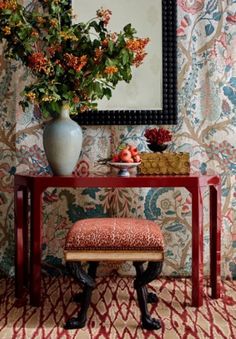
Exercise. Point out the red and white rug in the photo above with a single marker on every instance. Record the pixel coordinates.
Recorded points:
(114, 314)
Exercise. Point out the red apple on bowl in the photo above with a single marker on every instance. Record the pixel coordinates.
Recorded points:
(133, 150)
(116, 158)
(137, 158)
(125, 155)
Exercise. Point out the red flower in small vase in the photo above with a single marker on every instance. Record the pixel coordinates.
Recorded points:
(157, 138)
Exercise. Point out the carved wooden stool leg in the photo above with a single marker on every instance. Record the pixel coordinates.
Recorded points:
(152, 298)
(88, 280)
(144, 277)
(79, 297)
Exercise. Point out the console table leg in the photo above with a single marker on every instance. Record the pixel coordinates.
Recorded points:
(25, 235)
(215, 240)
(19, 244)
(35, 247)
(197, 247)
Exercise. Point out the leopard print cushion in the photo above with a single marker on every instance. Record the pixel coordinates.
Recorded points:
(115, 233)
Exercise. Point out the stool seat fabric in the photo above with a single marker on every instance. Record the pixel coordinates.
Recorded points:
(115, 234)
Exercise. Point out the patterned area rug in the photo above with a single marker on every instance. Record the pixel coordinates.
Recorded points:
(114, 313)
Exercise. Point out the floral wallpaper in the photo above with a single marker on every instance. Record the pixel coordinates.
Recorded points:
(206, 129)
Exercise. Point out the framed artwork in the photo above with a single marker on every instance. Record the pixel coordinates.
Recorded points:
(151, 95)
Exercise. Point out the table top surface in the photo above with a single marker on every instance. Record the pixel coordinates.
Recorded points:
(113, 175)
(113, 180)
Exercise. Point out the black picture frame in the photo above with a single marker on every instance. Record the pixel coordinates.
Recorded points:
(168, 114)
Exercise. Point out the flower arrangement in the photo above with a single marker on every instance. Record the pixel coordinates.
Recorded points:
(77, 63)
(157, 136)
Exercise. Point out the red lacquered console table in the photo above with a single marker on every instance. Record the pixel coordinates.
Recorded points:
(36, 185)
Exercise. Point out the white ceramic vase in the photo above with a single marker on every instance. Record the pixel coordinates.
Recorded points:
(62, 141)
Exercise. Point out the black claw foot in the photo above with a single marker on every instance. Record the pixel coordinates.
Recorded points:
(77, 298)
(152, 298)
(74, 323)
(149, 323)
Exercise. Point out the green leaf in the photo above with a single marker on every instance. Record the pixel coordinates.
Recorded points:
(45, 111)
(95, 25)
(107, 92)
(7, 11)
(55, 106)
(129, 30)
(15, 17)
(64, 88)
(68, 95)
(102, 36)
(98, 89)
(125, 56)
(23, 33)
(96, 43)
(111, 46)
(126, 74)
(28, 46)
(120, 41)
(59, 70)
(109, 62)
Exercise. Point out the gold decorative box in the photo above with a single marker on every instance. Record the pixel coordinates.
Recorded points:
(164, 163)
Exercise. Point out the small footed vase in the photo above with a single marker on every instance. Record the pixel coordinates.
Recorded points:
(62, 141)
(157, 147)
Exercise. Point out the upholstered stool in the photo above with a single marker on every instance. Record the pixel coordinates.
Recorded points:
(116, 239)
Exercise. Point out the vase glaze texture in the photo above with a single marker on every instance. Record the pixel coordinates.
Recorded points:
(62, 141)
